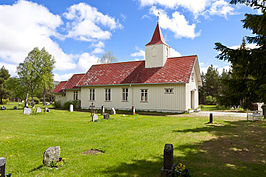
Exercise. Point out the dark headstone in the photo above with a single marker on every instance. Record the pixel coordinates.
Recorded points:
(46, 110)
(51, 154)
(3, 108)
(133, 110)
(102, 110)
(2, 167)
(106, 116)
(264, 110)
(92, 111)
(15, 107)
(211, 118)
(167, 169)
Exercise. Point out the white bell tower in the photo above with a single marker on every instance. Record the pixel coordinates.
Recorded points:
(156, 51)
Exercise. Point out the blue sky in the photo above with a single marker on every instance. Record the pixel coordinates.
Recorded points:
(77, 32)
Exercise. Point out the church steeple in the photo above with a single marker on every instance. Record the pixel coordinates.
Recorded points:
(156, 51)
(157, 37)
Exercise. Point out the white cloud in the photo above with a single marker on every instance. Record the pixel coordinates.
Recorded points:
(12, 68)
(25, 25)
(204, 67)
(249, 46)
(139, 53)
(86, 23)
(197, 7)
(221, 8)
(63, 77)
(98, 47)
(177, 24)
(174, 53)
(85, 61)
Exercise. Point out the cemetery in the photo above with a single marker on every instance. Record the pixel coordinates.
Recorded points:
(96, 143)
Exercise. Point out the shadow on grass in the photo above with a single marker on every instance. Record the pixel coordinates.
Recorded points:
(238, 150)
(37, 168)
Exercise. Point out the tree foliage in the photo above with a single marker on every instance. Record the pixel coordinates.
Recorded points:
(108, 58)
(247, 83)
(36, 71)
(4, 75)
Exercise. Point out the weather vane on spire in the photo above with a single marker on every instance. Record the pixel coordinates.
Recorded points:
(158, 16)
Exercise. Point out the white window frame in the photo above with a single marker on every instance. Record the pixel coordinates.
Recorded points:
(92, 94)
(144, 95)
(76, 93)
(108, 94)
(125, 94)
(169, 91)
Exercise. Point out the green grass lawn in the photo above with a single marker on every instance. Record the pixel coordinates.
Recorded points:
(132, 145)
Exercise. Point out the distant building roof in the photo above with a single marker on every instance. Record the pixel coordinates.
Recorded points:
(175, 70)
(157, 37)
(72, 82)
(59, 87)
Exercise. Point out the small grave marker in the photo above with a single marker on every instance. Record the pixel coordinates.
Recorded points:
(3, 108)
(211, 119)
(71, 108)
(46, 110)
(27, 111)
(94, 118)
(133, 110)
(38, 110)
(102, 110)
(15, 107)
(167, 169)
(106, 116)
(52, 153)
(2, 167)
(113, 111)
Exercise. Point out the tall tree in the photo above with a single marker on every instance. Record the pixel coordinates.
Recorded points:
(16, 87)
(4, 75)
(36, 72)
(108, 58)
(46, 72)
(248, 65)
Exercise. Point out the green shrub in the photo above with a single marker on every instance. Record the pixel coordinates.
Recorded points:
(210, 100)
(5, 101)
(35, 99)
(76, 104)
(57, 104)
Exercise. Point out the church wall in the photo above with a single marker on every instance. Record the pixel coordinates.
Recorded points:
(158, 100)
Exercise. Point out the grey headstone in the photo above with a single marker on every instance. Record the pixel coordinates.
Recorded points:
(52, 153)
(106, 116)
(46, 110)
(3, 108)
(2, 166)
(167, 169)
(113, 111)
(95, 117)
(102, 110)
(27, 111)
(38, 110)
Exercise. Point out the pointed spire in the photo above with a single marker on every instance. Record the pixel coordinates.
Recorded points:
(157, 37)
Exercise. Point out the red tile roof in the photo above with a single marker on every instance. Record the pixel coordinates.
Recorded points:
(72, 82)
(157, 37)
(58, 88)
(176, 70)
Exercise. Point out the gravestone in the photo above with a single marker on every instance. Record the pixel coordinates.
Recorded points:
(52, 153)
(2, 167)
(167, 169)
(38, 110)
(3, 108)
(27, 111)
(94, 117)
(15, 107)
(211, 119)
(71, 108)
(46, 110)
(133, 110)
(113, 111)
(102, 110)
(106, 116)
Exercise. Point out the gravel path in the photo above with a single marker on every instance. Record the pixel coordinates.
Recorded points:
(216, 113)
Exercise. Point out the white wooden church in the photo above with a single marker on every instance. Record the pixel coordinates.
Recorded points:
(159, 83)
